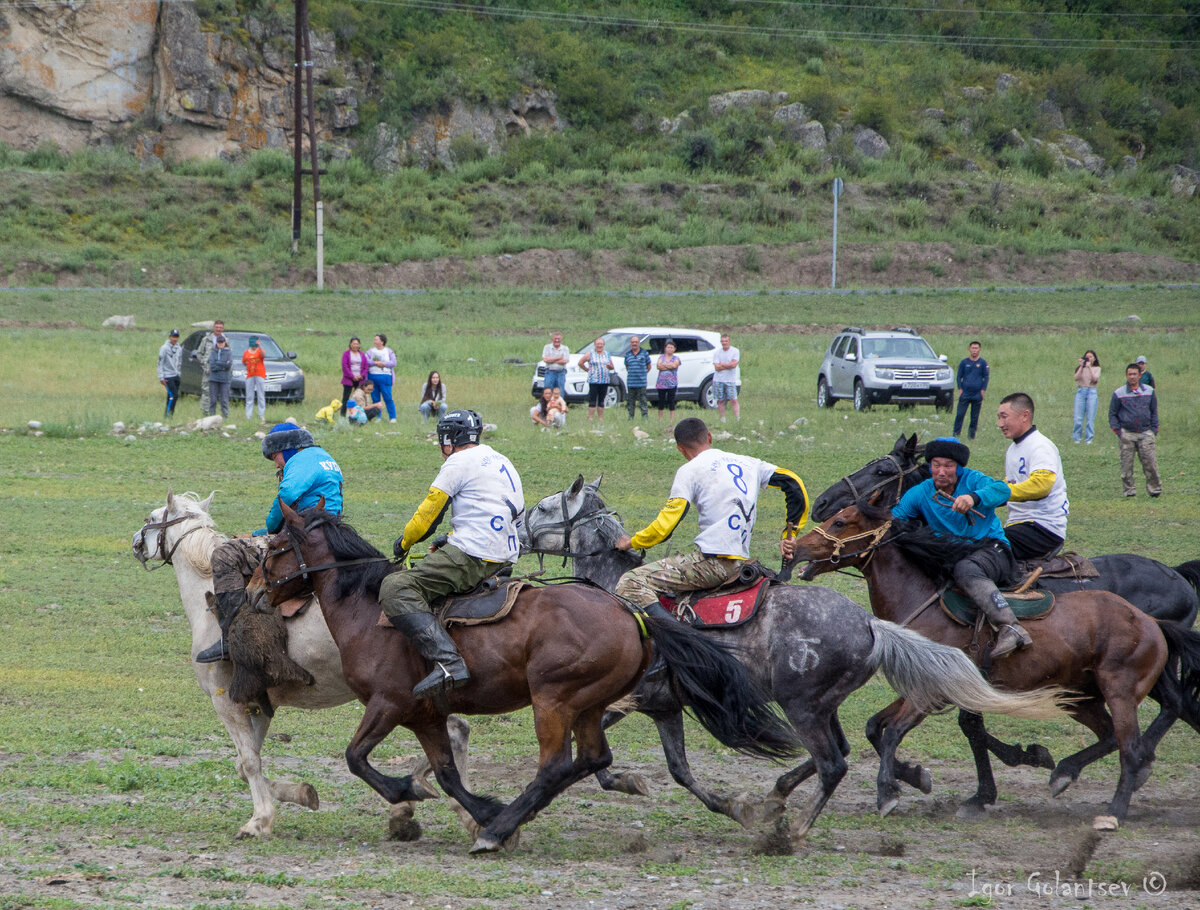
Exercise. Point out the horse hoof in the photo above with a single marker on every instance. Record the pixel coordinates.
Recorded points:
(970, 810)
(630, 783)
(1040, 757)
(1059, 784)
(886, 808)
(484, 844)
(1105, 823)
(248, 831)
(925, 785)
(401, 824)
(308, 797)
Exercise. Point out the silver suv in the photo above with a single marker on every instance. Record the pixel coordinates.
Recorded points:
(886, 367)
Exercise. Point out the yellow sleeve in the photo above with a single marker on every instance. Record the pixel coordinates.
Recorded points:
(796, 498)
(662, 527)
(425, 520)
(1036, 487)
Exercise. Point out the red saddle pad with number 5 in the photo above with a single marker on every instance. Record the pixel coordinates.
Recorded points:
(719, 609)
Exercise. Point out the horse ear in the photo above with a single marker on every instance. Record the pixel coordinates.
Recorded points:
(205, 504)
(912, 448)
(577, 487)
(595, 484)
(170, 499)
(901, 445)
(290, 515)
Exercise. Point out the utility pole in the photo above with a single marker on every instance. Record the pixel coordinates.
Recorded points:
(837, 192)
(302, 103)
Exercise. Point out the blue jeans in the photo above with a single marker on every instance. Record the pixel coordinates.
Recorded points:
(1086, 401)
(427, 407)
(556, 379)
(383, 391)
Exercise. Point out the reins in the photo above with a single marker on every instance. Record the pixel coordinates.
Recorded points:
(305, 570)
(161, 526)
(837, 556)
(568, 524)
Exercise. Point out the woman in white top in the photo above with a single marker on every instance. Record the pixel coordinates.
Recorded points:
(1087, 377)
(383, 373)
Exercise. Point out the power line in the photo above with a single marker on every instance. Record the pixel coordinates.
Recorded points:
(965, 11)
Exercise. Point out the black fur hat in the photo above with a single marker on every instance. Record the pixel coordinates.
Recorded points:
(284, 437)
(948, 447)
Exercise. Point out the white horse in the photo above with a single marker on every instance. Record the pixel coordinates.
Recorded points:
(181, 534)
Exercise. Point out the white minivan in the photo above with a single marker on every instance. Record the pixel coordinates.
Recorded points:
(693, 347)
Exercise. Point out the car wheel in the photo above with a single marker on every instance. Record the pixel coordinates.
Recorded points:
(861, 401)
(825, 397)
(945, 404)
(906, 407)
(613, 396)
(707, 397)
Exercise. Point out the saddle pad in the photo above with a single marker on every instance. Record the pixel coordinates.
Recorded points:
(296, 606)
(720, 609)
(1033, 605)
(1064, 565)
(485, 604)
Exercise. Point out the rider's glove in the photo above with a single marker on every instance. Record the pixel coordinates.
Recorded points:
(398, 548)
(438, 542)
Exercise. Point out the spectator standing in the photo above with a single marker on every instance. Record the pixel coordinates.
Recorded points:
(354, 369)
(555, 356)
(220, 374)
(727, 377)
(1147, 376)
(637, 369)
(256, 379)
(667, 383)
(972, 380)
(383, 373)
(1133, 416)
(433, 397)
(201, 355)
(170, 357)
(599, 364)
(1087, 397)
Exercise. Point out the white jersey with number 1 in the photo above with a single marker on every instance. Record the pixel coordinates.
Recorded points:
(487, 502)
(724, 488)
(1032, 453)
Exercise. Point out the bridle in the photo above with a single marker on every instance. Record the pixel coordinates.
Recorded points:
(568, 524)
(876, 536)
(161, 526)
(898, 479)
(305, 570)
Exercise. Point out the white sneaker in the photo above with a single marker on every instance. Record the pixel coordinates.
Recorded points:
(391, 420)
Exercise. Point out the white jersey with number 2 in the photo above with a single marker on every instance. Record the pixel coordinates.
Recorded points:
(724, 489)
(487, 503)
(1037, 453)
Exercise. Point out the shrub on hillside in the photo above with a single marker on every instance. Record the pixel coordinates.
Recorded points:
(881, 113)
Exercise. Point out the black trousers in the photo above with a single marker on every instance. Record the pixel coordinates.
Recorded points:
(975, 405)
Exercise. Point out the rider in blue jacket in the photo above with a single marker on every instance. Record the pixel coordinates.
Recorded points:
(306, 473)
(962, 502)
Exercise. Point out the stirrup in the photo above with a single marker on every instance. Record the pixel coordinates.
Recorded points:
(440, 681)
(214, 653)
(1011, 638)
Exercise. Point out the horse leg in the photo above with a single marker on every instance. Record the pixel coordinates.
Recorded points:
(380, 719)
(1093, 715)
(402, 824)
(913, 775)
(1135, 756)
(887, 790)
(248, 733)
(552, 721)
(972, 727)
(620, 781)
(1034, 755)
(828, 747)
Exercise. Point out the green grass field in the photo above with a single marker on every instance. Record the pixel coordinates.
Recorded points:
(107, 734)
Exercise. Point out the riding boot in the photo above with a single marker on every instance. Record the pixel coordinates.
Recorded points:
(1012, 636)
(436, 646)
(228, 605)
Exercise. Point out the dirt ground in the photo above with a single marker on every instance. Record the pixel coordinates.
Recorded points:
(801, 265)
(1031, 851)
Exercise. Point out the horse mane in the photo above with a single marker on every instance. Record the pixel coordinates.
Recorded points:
(345, 543)
(197, 548)
(932, 553)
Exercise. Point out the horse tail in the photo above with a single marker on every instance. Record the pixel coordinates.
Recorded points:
(718, 691)
(1190, 570)
(933, 675)
(1182, 672)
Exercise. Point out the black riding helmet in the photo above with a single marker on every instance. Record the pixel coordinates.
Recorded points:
(460, 427)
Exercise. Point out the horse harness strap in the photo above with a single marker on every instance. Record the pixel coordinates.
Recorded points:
(161, 526)
(930, 601)
(875, 535)
(878, 485)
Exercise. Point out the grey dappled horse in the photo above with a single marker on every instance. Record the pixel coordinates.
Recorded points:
(809, 646)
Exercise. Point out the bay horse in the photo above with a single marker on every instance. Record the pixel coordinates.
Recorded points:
(809, 647)
(181, 534)
(1164, 592)
(1092, 642)
(568, 650)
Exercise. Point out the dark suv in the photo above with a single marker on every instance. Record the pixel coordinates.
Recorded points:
(886, 367)
(285, 380)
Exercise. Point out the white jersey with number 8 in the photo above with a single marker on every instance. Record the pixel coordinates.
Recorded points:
(724, 489)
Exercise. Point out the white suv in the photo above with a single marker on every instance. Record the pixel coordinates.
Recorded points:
(693, 347)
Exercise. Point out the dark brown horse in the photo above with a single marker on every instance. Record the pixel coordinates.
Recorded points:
(568, 650)
(1092, 642)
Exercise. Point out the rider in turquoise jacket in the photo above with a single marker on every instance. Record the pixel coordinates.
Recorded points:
(308, 474)
(957, 501)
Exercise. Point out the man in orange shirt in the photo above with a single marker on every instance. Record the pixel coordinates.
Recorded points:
(256, 379)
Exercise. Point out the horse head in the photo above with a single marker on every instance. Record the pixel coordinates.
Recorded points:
(892, 475)
(284, 571)
(164, 530)
(860, 527)
(568, 522)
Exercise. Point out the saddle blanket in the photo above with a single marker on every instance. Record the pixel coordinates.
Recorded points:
(723, 608)
(490, 602)
(1064, 565)
(1033, 605)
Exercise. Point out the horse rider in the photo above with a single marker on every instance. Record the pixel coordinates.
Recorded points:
(1037, 504)
(483, 491)
(306, 474)
(959, 501)
(724, 488)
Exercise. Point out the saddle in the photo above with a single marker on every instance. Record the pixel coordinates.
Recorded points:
(490, 601)
(1026, 605)
(731, 605)
(1061, 565)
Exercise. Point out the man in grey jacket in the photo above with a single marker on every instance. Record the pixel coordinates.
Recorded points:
(170, 356)
(202, 355)
(1133, 416)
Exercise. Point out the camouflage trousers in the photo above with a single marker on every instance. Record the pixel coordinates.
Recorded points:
(1144, 445)
(682, 572)
(234, 561)
(206, 397)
